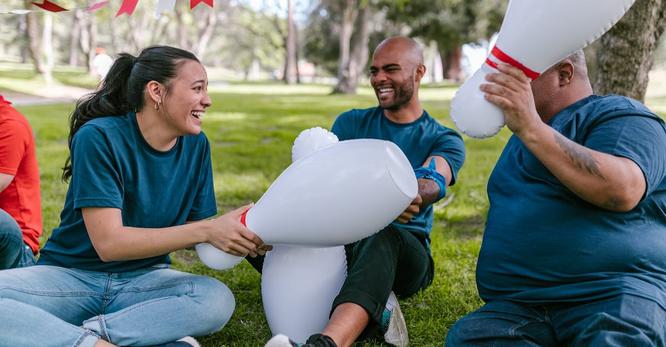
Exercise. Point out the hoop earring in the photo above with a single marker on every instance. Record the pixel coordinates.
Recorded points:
(157, 106)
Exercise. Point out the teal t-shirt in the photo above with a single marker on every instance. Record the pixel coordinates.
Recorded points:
(419, 140)
(113, 166)
(544, 244)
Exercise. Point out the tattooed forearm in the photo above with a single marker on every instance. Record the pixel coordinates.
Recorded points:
(579, 155)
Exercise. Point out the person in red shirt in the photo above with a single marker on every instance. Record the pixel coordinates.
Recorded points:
(20, 206)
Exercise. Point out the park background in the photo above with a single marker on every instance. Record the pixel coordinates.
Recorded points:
(277, 67)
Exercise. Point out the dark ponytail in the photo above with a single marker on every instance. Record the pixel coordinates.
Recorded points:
(122, 89)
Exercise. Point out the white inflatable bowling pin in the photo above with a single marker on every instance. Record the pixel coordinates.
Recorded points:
(299, 284)
(306, 143)
(335, 196)
(532, 38)
(310, 141)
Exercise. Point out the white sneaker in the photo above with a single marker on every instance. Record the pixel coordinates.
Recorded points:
(279, 340)
(190, 340)
(393, 323)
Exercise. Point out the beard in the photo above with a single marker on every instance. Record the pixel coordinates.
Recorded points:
(402, 95)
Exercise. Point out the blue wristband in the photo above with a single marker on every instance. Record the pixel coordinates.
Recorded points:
(431, 173)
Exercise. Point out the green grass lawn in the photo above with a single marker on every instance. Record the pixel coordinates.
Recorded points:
(251, 129)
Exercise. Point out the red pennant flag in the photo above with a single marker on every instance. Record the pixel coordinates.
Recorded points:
(49, 6)
(128, 7)
(194, 3)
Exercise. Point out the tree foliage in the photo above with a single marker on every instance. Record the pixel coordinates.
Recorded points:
(450, 23)
(233, 34)
(321, 36)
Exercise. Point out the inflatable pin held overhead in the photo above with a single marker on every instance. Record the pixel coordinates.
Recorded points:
(532, 38)
(334, 196)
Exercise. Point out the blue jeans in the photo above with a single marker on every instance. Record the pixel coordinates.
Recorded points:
(13, 252)
(46, 305)
(624, 320)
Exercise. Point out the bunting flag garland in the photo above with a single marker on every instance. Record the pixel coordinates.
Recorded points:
(194, 3)
(97, 6)
(164, 6)
(126, 7)
(49, 6)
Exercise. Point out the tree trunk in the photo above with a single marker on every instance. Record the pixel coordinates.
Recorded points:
(88, 40)
(206, 33)
(359, 53)
(349, 14)
(74, 39)
(183, 41)
(47, 46)
(112, 33)
(436, 73)
(297, 55)
(92, 28)
(137, 24)
(625, 55)
(290, 59)
(451, 67)
(24, 42)
(34, 39)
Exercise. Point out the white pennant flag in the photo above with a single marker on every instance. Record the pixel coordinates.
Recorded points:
(15, 11)
(164, 6)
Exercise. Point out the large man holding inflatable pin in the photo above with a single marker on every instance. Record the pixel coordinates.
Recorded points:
(397, 258)
(573, 251)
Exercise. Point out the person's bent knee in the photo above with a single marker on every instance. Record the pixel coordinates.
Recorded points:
(454, 336)
(381, 238)
(216, 304)
(9, 230)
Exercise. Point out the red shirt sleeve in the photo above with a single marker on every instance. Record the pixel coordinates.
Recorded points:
(13, 143)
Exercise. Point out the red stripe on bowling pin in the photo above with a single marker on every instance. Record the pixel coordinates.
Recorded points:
(243, 217)
(505, 58)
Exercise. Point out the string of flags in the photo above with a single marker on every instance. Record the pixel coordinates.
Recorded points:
(126, 7)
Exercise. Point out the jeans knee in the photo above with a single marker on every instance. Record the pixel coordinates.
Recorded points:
(216, 304)
(454, 337)
(9, 230)
(11, 242)
(604, 329)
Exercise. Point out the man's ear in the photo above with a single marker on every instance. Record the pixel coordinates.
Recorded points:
(565, 72)
(155, 91)
(420, 72)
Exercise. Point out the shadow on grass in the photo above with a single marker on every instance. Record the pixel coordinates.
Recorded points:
(466, 228)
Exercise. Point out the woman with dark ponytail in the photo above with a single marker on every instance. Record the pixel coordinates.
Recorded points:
(140, 186)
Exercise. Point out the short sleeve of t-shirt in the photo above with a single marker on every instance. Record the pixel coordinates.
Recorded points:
(636, 137)
(344, 126)
(13, 142)
(96, 181)
(204, 204)
(451, 147)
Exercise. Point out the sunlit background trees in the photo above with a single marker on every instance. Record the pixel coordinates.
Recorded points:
(303, 41)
